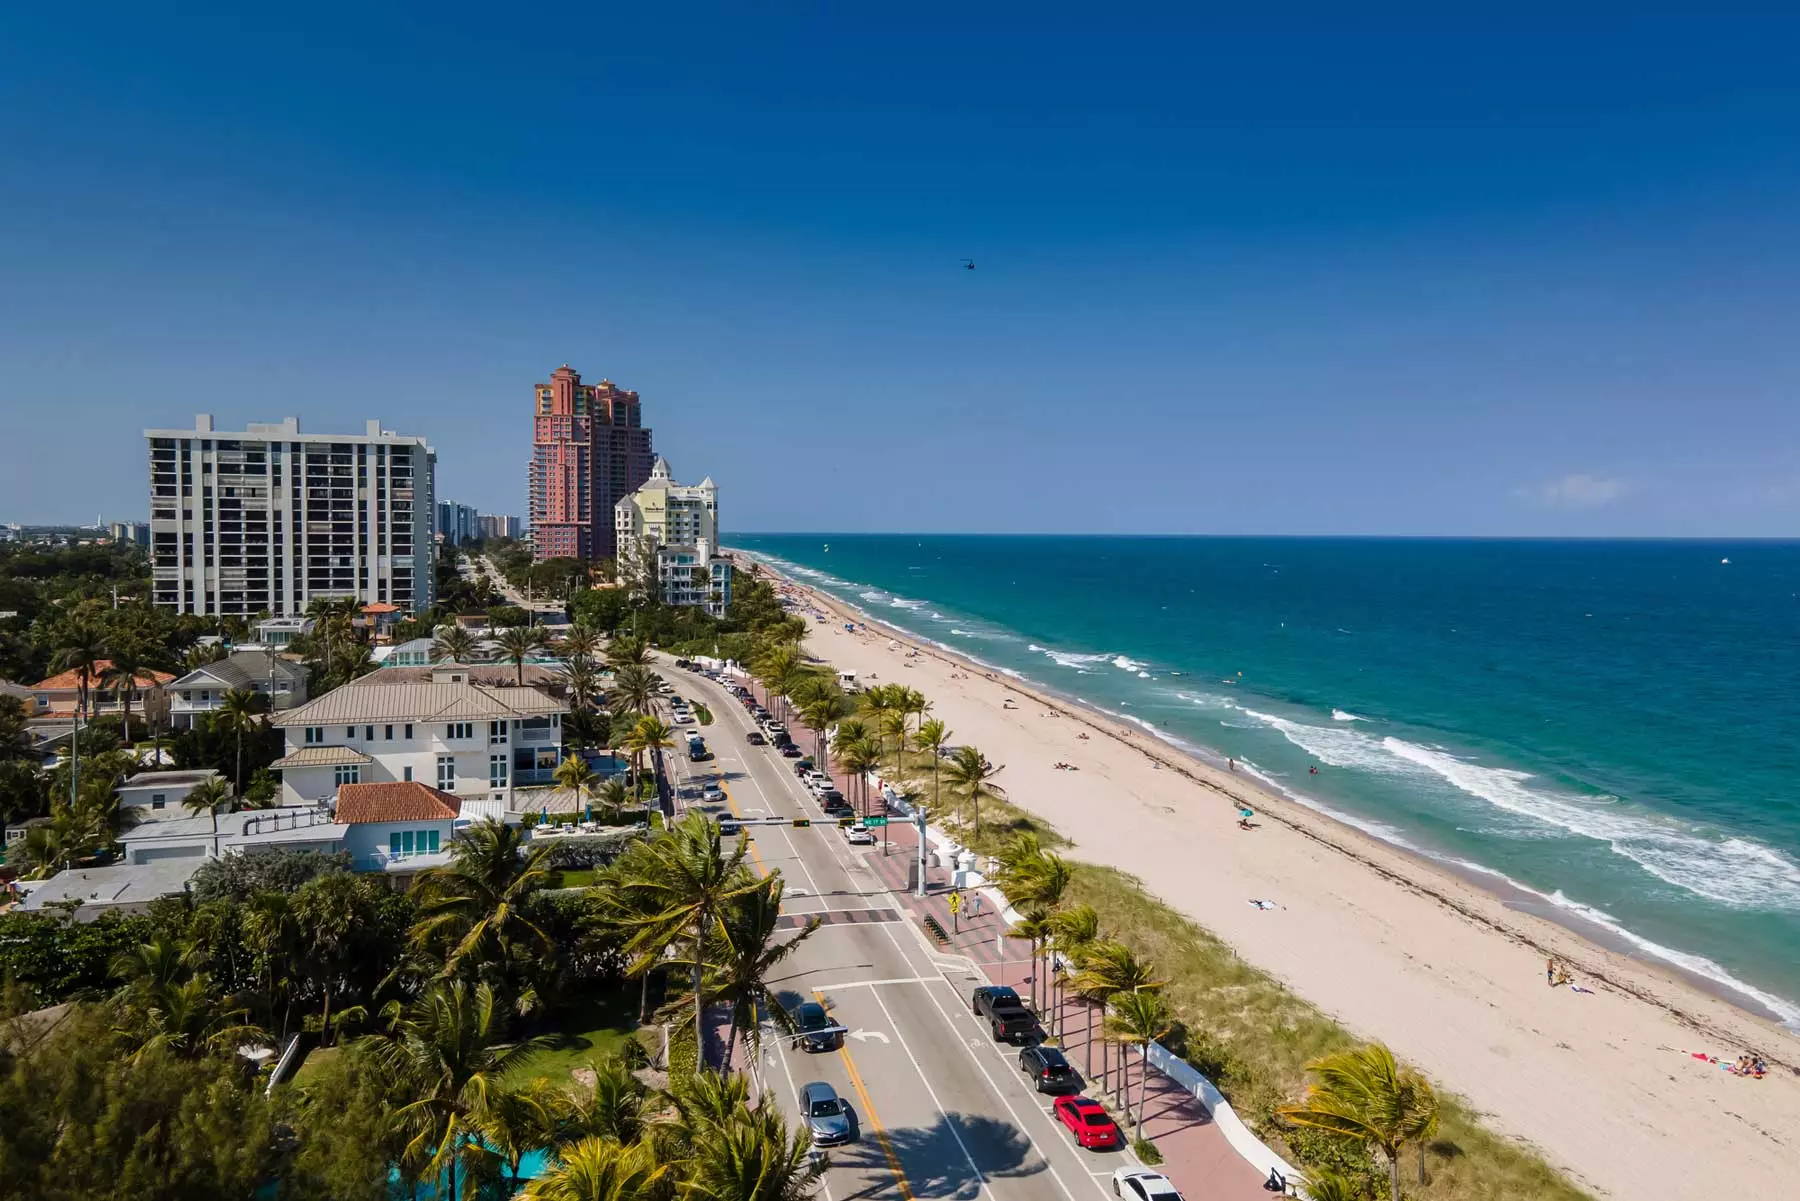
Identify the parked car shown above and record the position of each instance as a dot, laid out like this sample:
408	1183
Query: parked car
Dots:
814	1030
859	835
1006	1015
829	1117
802	767
1089	1122
1141	1184
834	804
1049	1070
754	739
790	751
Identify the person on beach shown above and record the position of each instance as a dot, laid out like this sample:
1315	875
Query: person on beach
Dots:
1244	816
1231	764
1550	972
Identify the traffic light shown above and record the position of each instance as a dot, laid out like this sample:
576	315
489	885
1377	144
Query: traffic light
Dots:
801	822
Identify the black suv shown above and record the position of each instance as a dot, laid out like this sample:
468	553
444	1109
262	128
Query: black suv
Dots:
1049	1070
814	1030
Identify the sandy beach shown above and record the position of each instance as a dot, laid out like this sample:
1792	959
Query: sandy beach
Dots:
1449	974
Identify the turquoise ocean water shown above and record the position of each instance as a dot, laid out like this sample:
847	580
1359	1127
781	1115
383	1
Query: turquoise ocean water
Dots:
1612	725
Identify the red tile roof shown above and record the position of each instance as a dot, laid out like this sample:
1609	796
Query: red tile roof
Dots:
380	607
71	679
399	801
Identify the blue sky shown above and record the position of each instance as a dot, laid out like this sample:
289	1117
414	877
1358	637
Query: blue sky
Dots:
1298	270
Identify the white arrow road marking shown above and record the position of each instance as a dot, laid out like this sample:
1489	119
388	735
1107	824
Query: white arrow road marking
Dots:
863	1036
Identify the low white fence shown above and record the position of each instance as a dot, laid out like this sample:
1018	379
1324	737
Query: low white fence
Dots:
1250	1148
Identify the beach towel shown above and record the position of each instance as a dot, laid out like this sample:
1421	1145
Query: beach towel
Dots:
1263	904
1580	988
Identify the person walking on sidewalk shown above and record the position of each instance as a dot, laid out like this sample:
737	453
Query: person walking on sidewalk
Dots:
974	903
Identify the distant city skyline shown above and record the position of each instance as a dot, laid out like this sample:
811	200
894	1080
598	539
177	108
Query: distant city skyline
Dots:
1409	271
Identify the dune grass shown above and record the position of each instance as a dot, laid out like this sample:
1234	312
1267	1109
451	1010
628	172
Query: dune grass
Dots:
1253	1038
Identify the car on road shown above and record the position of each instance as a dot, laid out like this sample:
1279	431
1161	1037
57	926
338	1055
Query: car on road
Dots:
790	751
1005	1014
1089	1122
713	793
1141	1184
859	835
829	1118
834	804
1048	1070
754	739
802	768
814	1030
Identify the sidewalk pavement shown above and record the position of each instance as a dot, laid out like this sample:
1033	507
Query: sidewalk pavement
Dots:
1195	1154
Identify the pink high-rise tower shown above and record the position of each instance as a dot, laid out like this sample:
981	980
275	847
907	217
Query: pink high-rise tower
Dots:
589	448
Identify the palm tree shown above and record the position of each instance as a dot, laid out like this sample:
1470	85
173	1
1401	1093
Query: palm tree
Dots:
747	955
779	669
574	774
273	937
453	643
481	902
821	703
893	725
617	1107
451	1050
1037	880
209	796
519	643
1364	1096
633	689
612	797
626	652
599	1169
1072	932
579	645
877	702
583	683
931	735
680	885
1108	969
517	1121
857	759
1333	1186
649	734
1138	1019
80	645
755	1158
237	712
128	664
1033	927
972	775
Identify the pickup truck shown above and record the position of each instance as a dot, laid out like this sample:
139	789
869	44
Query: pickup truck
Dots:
1005	1014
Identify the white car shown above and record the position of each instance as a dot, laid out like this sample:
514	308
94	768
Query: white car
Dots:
859	835
713	793
1141	1184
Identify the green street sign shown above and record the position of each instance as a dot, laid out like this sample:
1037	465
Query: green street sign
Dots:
873	822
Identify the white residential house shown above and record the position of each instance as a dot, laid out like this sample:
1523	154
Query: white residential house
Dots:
279	632
202	690
191	837
157	795
415	652
475	741
398	828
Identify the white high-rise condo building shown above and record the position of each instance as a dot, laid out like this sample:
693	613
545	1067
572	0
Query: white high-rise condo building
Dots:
269	519
670	532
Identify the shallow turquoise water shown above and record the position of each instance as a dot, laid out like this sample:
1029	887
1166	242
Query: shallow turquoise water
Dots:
1614	725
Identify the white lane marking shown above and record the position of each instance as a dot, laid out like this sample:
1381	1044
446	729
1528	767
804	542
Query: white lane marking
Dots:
949	1123
877	983
938	1005
794	1091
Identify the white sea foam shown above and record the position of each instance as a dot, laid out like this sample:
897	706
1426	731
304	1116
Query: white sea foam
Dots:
869	594
901	602
1071	659
1345	715
1125	663
1732	871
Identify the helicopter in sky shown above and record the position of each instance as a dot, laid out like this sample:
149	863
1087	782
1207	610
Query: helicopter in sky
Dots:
968	264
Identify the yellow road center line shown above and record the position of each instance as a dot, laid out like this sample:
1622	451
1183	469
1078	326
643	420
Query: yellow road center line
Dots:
862	1094
743	831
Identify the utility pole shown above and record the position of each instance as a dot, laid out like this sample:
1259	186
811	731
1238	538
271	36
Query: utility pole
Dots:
919	822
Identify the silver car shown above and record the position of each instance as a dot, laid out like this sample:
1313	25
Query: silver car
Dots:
830	1120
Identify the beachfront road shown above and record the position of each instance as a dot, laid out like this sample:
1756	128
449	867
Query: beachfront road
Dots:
943	1110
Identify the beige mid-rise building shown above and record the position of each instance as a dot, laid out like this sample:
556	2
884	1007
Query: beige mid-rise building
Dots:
674	529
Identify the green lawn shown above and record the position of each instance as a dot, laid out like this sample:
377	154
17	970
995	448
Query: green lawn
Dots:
593	1030
574	877
315	1060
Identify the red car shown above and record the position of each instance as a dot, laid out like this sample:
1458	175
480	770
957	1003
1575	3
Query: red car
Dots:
1087	1119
